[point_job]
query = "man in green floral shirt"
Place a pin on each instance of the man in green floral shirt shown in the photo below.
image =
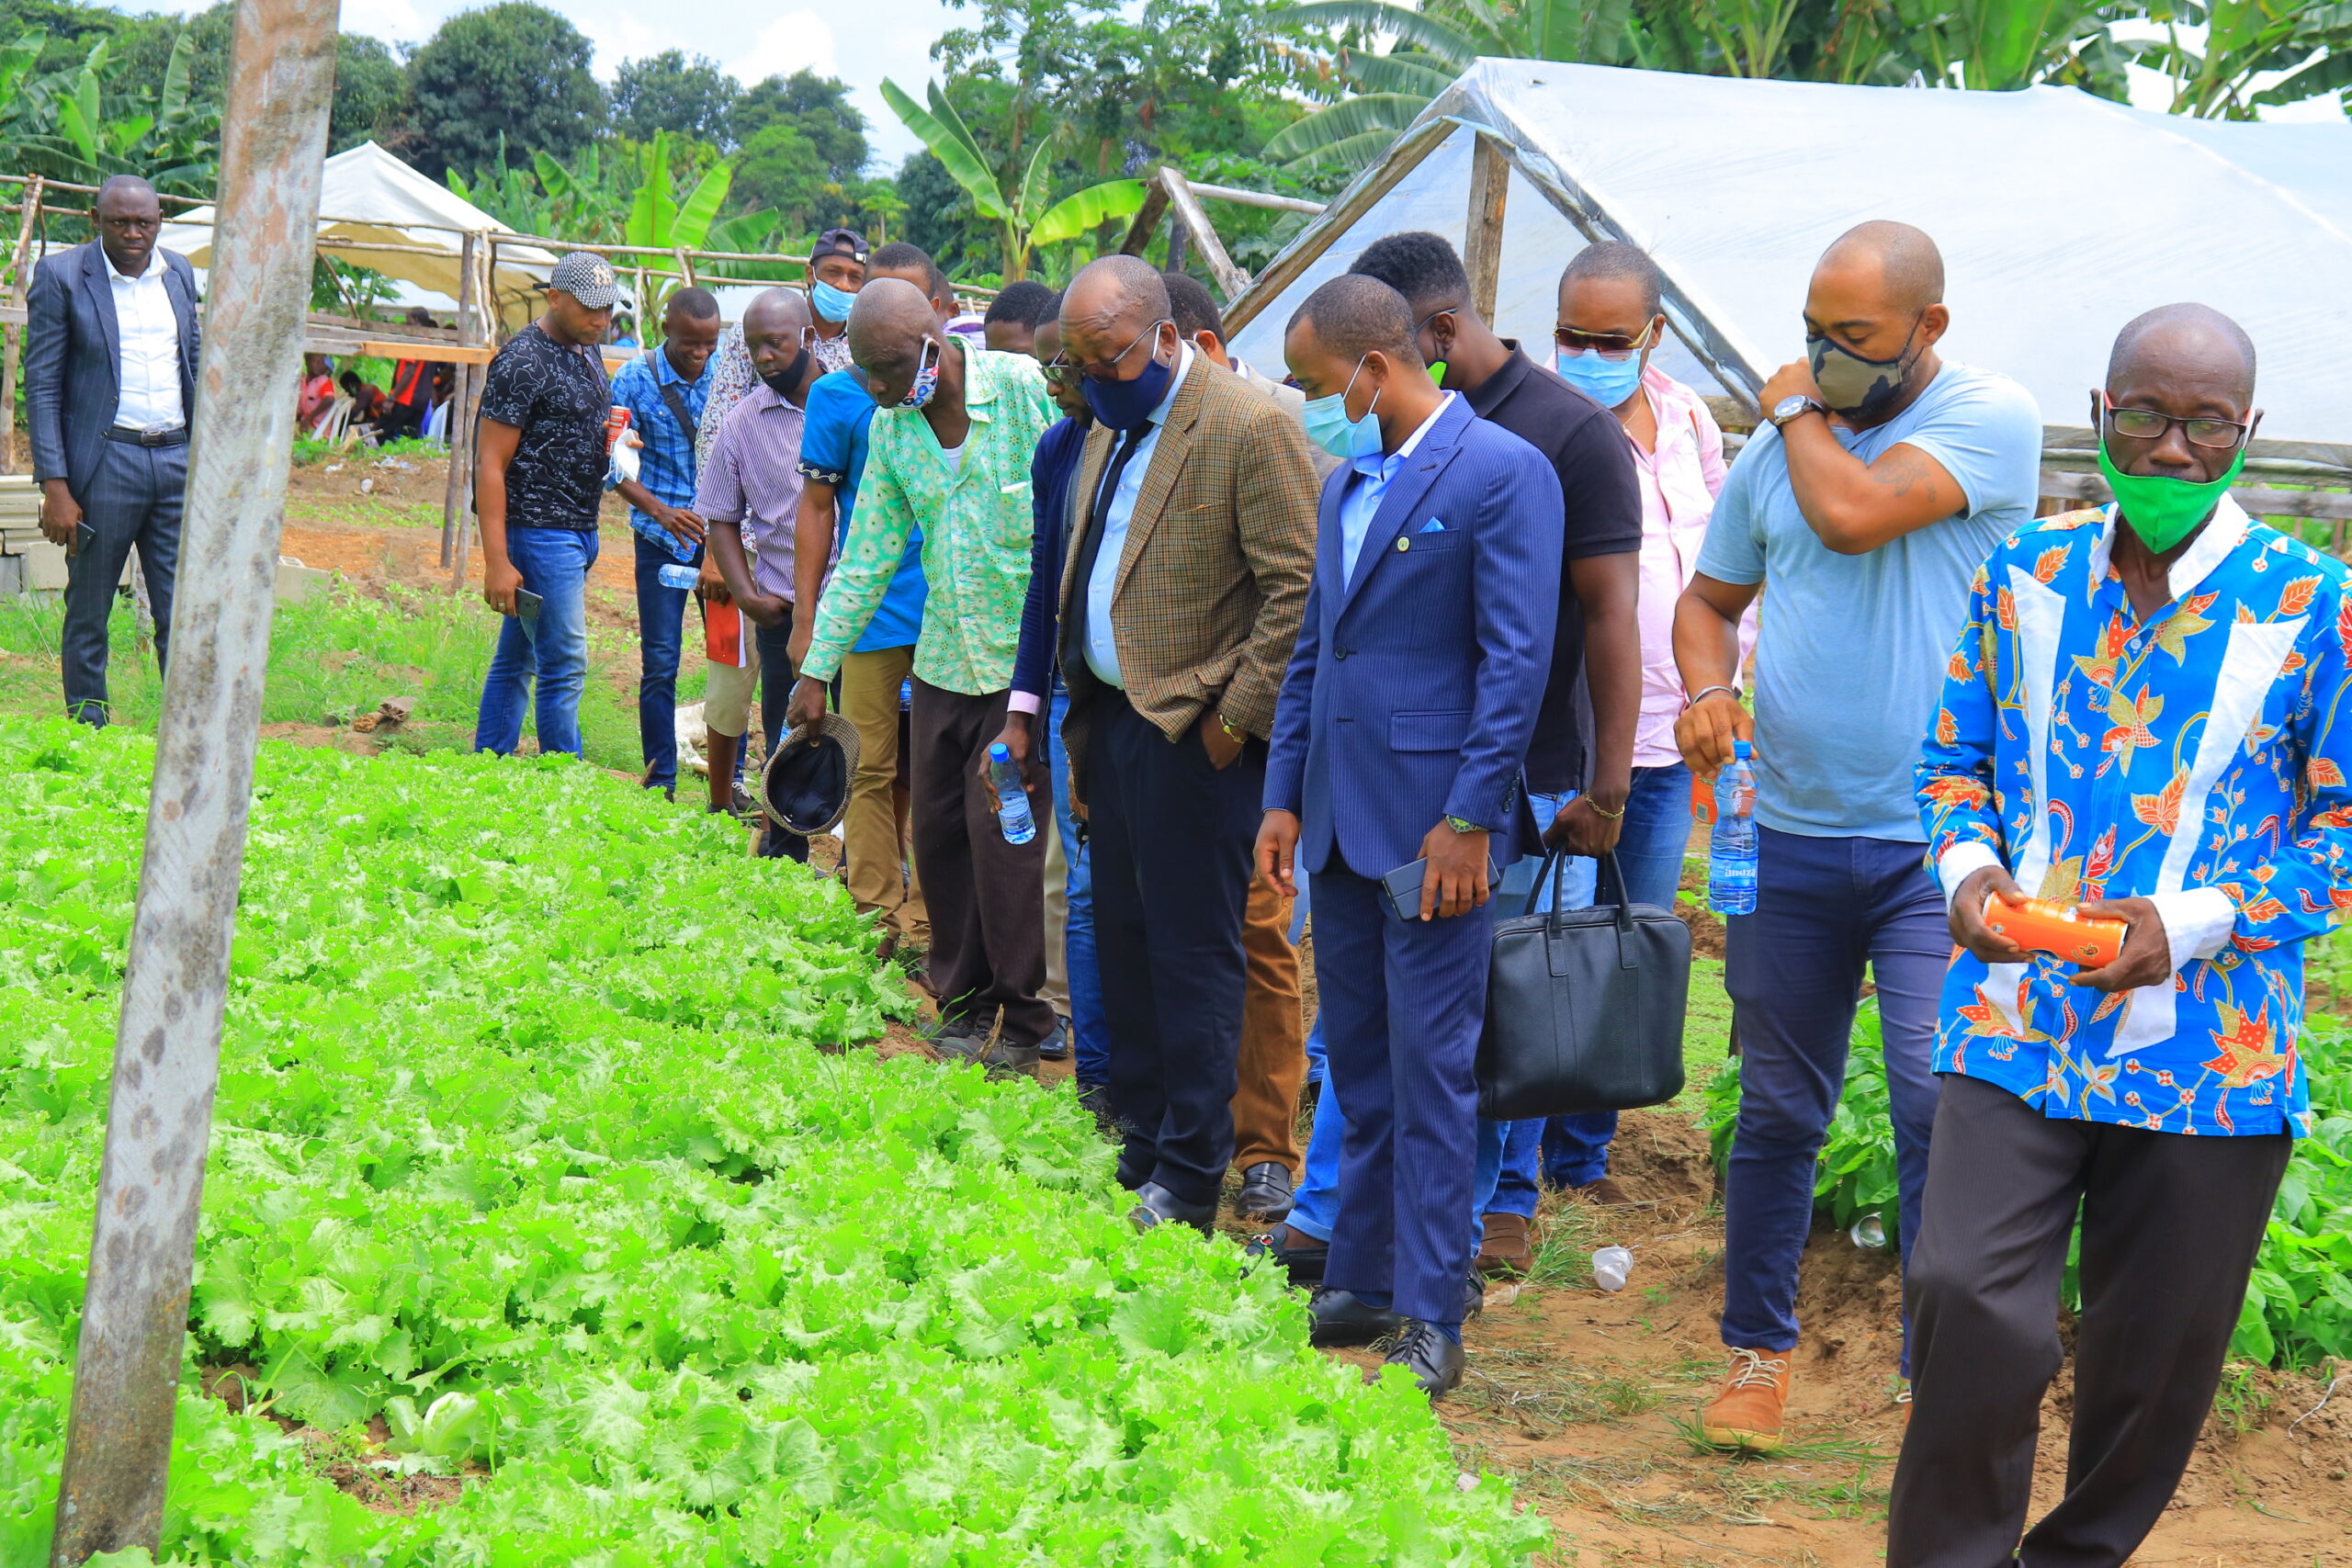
(949, 454)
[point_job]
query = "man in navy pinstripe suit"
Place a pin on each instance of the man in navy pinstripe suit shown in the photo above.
(1402, 722)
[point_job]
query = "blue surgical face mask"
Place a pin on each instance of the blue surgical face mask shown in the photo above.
(1605, 381)
(1328, 427)
(829, 301)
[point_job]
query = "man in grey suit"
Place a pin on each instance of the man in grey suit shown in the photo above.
(110, 354)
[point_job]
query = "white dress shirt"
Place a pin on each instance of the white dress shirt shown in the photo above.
(1361, 503)
(148, 330)
(1101, 654)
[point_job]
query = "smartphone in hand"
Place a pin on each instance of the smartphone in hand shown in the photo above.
(526, 604)
(84, 538)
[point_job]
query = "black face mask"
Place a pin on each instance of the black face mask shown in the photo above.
(782, 381)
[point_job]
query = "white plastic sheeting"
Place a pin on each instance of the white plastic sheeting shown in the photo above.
(368, 194)
(2060, 216)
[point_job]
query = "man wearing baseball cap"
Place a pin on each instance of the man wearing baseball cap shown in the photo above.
(538, 480)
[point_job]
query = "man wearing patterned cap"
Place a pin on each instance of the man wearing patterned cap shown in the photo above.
(538, 480)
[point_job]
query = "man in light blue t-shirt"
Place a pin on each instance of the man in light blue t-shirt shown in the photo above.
(1884, 479)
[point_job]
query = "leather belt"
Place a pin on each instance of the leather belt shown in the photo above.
(173, 436)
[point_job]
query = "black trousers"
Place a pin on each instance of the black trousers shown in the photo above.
(2171, 1224)
(987, 896)
(1170, 838)
(776, 680)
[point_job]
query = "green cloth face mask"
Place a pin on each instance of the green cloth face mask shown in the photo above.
(2162, 510)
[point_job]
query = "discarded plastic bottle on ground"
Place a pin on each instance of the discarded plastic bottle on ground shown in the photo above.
(1731, 860)
(673, 575)
(1612, 1266)
(1011, 800)
(1869, 1234)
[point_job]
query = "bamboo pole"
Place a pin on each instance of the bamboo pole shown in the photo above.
(455, 492)
(168, 1039)
(12, 339)
(1230, 280)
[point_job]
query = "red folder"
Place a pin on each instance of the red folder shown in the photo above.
(722, 635)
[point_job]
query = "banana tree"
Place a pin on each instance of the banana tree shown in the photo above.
(1430, 48)
(1024, 220)
(2243, 40)
(56, 123)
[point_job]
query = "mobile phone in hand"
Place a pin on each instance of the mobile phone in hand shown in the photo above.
(526, 604)
(84, 537)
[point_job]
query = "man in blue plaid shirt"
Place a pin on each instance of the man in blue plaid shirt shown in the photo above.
(664, 392)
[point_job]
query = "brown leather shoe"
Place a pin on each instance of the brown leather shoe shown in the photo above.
(1605, 1192)
(1749, 1413)
(1505, 1251)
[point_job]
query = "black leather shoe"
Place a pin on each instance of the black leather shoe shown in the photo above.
(1300, 1258)
(1096, 1098)
(1264, 1198)
(959, 1039)
(1004, 1059)
(1474, 1296)
(1154, 1205)
(1055, 1048)
(1436, 1362)
(1341, 1319)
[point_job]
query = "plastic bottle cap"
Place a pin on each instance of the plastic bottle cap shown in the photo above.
(997, 753)
(1739, 750)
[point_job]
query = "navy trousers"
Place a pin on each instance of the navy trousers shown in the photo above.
(1824, 908)
(1170, 851)
(1402, 1005)
(134, 499)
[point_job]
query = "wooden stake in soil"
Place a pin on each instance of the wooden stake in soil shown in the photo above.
(458, 437)
(167, 1040)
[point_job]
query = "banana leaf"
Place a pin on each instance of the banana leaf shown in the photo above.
(1074, 214)
(956, 155)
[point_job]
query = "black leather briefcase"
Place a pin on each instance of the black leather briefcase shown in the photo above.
(1583, 1007)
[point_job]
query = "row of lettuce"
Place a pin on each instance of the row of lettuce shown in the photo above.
(535, 1163)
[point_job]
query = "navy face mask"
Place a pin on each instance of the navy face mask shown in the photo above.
(1128, 405)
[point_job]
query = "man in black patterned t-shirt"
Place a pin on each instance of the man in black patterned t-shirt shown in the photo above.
(538, 480)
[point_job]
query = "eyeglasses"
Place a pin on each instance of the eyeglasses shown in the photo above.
(1108, 369)
(2148, 424)
(1060, 372)
(1614, 347)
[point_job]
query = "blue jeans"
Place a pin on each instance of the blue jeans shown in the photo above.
(1090, 1048)
(550, 653)
(1824, 908)
(661, 623)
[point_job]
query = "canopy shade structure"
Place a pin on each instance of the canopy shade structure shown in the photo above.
(2060, 215)
(371, 199)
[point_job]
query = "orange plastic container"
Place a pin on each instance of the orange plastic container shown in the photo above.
(2041, 927)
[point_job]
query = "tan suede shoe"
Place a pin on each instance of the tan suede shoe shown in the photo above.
(1506, 1250)
(1748, 1414)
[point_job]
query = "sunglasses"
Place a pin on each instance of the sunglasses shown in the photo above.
(1614, 347)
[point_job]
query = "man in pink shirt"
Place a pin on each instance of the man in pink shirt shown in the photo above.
(1610, 326)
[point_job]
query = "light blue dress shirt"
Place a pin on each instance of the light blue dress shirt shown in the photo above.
(1101, 655)
(1361, 503)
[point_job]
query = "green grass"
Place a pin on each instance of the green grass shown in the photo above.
(341, 653)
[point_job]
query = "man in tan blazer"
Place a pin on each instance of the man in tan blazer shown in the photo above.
(1191, 542)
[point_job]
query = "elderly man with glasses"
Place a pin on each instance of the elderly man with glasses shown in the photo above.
(2143, 721)
(1192, 530)
(948, 453)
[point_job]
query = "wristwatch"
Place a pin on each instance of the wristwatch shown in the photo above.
(1788, 408)
(1460, 824)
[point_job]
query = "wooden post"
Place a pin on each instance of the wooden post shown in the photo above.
(1176, 233)
(1482, 231)
(463, 418)
(167, 1038)
(455, 491)
(1230, 278)
(1147, 219)
(19, 285)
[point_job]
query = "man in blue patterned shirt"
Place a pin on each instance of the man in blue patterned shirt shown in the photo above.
(2141, 720)
(664, 390)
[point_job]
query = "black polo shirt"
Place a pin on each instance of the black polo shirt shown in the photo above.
(1587, 449)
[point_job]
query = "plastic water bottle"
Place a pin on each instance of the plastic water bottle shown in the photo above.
(1731, 860)
(1011, 800)
(1612, 1266)
(675, 576)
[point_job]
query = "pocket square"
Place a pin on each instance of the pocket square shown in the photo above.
(1432, 527)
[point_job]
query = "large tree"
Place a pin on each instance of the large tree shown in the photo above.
(683, 95)
(819, 109)
(504, 82)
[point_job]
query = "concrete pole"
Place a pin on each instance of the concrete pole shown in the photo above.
(168, 1042)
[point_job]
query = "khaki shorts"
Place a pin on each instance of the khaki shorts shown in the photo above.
(727, 692)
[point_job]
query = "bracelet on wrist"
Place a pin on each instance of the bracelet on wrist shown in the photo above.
(1604, 811)
(1703, 693)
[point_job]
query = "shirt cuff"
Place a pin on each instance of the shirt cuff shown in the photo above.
(1959, 862)
(1022, 701)
(2198, 922)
